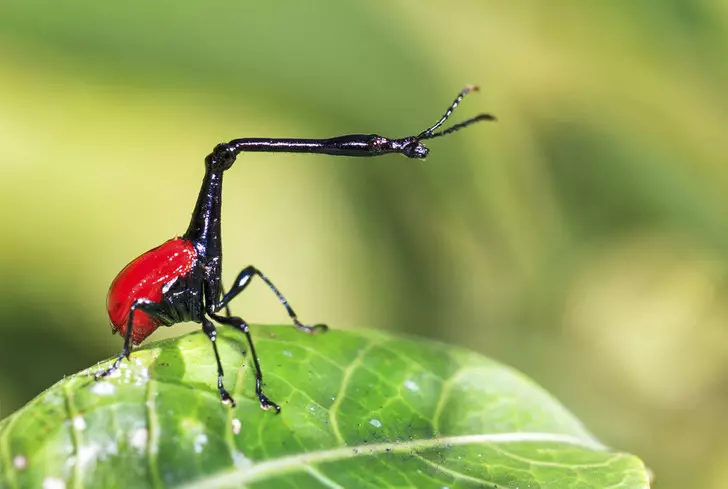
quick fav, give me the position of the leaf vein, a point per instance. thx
(454, 473)
(442, 399)
(152, 435)
(384, 346)
(541, 463)
(348, 371)
(322, 478)
(260, 470)
(75, 434)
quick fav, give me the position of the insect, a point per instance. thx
(180, 280)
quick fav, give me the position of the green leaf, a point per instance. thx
(359, 409)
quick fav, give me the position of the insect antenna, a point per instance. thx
(460, 125)
(430, 133)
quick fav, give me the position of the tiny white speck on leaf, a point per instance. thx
(375, 422)
(200, 442)
(141, 375)
(111, 448)
(53, 483)
(240, 461)
(79, 423)
(20, 462)
(288, 353)
(103, 388)
(139, 439)
(236, 426)
(90, 452)
(411, 385)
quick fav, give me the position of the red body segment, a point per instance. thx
(144, 278)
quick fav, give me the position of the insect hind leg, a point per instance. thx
(240, 324)
(211, 333)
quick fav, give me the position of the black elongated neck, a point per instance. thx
(361, 145)
(204, 230)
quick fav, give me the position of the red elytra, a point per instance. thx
(144, 278)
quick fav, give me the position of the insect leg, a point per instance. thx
(211, 333)
(240, 324)
(227, 306)
(243, 280)
(151, 308)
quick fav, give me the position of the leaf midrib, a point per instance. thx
(260, 470)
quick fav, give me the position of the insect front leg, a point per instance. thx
(242, 281)
(152, 309)
(240, 324)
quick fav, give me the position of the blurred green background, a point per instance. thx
(583, 238)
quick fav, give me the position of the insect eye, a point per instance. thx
(416, 149)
